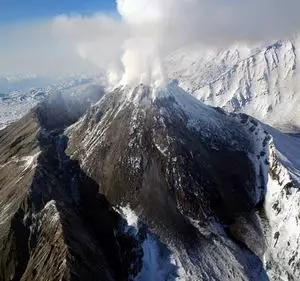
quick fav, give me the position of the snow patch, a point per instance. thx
(30, 161)
(158, 263)
(51, 212)
(5, 213)
(131, 218)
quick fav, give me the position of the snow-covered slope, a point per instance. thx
(282, 206)
(280, 213)
(262, 80)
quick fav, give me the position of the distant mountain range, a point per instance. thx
(261, 80)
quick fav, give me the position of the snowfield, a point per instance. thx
(262, 81)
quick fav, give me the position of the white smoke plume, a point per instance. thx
(132, 46)
(142, 50)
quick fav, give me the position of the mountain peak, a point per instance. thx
(191, 176)
(146, 94)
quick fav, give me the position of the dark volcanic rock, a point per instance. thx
(185, 169)
(174, 160)
(54, 223)
(156, 160)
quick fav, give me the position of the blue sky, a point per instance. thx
(23, 10)
(31, 45)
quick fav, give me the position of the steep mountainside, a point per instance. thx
(189, 180)
(52, 217)
(149, 184)
(262, 80)
(199, 158)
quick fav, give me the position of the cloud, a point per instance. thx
(98, 37)
(33, 48)
(225, 21)
(214, 22)
(147, 30)
(133, 43)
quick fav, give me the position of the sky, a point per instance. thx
(28, 45)
(12, 11)
(128, 38)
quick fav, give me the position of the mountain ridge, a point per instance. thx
(261, 81)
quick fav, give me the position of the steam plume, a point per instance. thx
(148, 30)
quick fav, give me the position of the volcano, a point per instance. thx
(137, 183)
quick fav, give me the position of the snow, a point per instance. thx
(155, 265)
(29, 161)
(17, 100)
(284, 239)
(163, 151)
(131, 219)
(260, 80)
(51, 213)
(282, 204)
(135, 163)
(159, 262)
(5, 213)
(287, 151)
(26, 161)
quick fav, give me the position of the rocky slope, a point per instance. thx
(189, 180)
(146, 184)
(53, 225)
